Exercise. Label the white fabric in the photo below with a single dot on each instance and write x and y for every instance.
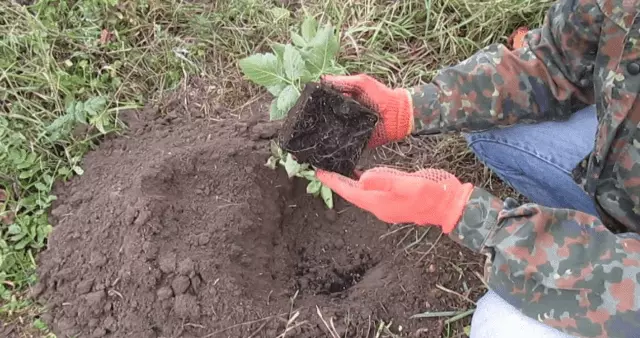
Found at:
(495, 318)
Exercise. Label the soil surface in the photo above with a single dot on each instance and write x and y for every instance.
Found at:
(177, 229)
(327, 129)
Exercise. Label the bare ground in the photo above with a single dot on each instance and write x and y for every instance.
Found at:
(177, 229)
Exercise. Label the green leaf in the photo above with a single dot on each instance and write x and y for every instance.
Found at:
(39, 325)
(78, 170)
(324, 48)
(48, 179)
(308, 174)
(80, 115)
(275, 113)
(64, 171)
(327, 196)
(275, 90)
(291, 166)
(467, 330)
(287, 99)
(100, 126)
(32, 157)
(279, 13)
(43, 231)
(24, 165)
(79, 106)
(294, 66)
(272, 163)
(303, 167)
(18, 237)
(99, 121)
(298, 40)
(95, 105)
(71, 107)
(23, 243)
(59, 123)
(278, 49)
(41, 186)
(313, 187)
(276, 151)
(309, 28)
(27, 161)
(14, 229)
(262, 69)
(27, 174)
(307, 77)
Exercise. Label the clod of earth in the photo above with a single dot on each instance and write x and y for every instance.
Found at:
(327, 129)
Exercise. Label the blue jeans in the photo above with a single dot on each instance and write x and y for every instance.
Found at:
(536, 160)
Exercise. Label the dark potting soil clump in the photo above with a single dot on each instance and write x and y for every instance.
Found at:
(327, 129)
(178, 229)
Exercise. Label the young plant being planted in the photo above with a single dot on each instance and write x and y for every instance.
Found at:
(327, 130)
(295, 169)
(323, 128)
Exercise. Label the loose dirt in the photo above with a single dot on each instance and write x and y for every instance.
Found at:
(177, 229)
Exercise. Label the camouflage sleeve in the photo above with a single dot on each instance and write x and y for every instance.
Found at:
(548, 79)
(561, 267)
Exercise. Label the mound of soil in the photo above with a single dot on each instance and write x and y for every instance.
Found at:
(177, 229)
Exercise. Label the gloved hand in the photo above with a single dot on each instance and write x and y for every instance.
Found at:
(395, 106)
(428, 196)
(516, 39)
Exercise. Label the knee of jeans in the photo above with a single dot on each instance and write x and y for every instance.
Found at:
(501, 158)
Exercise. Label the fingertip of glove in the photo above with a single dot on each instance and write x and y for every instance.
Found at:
(326, 79)
(334, 82)
(321, 173)
(326, 176)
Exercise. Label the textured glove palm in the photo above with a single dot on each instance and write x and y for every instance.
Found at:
(428, 196)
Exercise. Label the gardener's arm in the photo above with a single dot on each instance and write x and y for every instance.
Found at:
(559, 266)
(548, 79)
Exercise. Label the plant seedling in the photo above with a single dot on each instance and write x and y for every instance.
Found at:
(295, 169)
(327, 129)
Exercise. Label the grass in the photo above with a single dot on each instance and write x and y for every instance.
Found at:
(69, 67)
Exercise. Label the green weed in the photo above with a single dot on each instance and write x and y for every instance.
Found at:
(68, 69)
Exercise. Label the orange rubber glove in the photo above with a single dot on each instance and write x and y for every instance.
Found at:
(428, 196)
(516, 39)
(395, 106)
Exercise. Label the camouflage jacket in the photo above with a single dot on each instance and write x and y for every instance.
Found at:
(570, 270)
